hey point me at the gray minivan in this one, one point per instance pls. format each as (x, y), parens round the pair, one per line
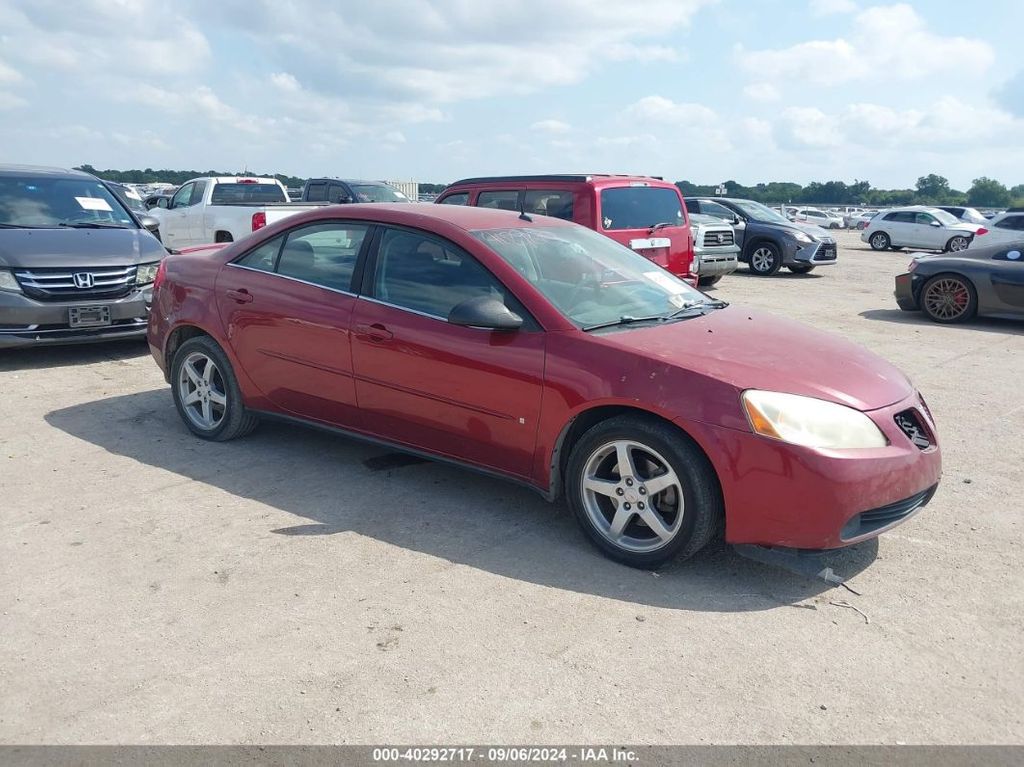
(75, 264)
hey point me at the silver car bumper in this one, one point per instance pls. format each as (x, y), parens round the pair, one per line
(712, 262)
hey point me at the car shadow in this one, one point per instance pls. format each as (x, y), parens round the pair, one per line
(45, 357)
(983, 324)
(333, 484)
(783, 273)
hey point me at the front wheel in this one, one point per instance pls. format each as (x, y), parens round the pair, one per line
(949, 298)
(765, 259)
(801, 268)
(957, 244)
(643, 492)
(707, 282)
(879, 241)
(206, 392)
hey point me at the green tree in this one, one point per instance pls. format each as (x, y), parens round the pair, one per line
(932, 188)
(988, 193)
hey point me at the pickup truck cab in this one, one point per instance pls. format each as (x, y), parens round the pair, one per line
(644, 213)
(223, 209)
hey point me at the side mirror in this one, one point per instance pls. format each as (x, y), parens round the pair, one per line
(736, 221)
(935, 223)
(150, 223)
(485, 312)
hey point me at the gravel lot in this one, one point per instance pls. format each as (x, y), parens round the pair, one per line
(286, 588)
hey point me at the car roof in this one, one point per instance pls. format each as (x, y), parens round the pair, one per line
(423, 214)
(41, 171)
(318, 179)
(595, 179)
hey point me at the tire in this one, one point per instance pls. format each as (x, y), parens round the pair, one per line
(688, 506)
(801, 268)
(192, 376)
(948, 299)
(765, 259)
(223, 237)
(879, 241)
(707, 282)
(957, 244)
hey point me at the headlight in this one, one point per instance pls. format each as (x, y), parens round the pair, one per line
(7, 282)
(146, 273)
(803, 237)
(809, 422)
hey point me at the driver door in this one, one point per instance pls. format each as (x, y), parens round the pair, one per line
(174, 226)
(469, 393)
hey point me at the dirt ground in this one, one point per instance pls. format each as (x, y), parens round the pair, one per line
(287, 589)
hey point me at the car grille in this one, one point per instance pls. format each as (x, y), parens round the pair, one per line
(875, 519)
(62, 283)
(826, 252)
(913, 426)
(717, 238)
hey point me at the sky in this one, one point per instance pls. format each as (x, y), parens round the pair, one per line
(702, 90)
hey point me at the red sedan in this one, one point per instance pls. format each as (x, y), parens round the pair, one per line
(537, 350)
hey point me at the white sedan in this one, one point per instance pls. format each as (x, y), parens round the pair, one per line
(1005, 227)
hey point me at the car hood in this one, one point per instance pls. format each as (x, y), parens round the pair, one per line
(69, 247)
(792, 227)
(756, 350)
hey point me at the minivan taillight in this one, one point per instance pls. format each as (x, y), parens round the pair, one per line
(259, 220)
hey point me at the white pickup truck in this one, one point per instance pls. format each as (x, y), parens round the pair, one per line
(223, 209)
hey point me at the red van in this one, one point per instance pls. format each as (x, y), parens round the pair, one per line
(644, 213)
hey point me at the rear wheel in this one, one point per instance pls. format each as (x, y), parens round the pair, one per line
(801, 268)
(707, 282)
(765, 259)
(206, 392)
(879, 241)
(949, 298)
(643, 492)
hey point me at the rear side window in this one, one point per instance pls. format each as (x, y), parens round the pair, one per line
(226, 194)
(549, 203)
(640, 207)
(462, 198)
(500, 200)
(323, 254)
(264, 258)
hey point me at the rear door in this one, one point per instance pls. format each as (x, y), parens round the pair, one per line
(651, 220)
(287, 306)
(469, 393)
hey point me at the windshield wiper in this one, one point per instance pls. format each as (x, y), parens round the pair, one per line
(626, 319)
(90, 225)
(655, 227)
(21, 226)
(689, 306)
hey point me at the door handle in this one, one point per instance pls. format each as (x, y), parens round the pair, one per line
(242, 296)
(375, 332)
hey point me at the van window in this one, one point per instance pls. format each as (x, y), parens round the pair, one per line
(316, 193)
(501, 200)
(547, 202)
(640, 207)
(456, 199)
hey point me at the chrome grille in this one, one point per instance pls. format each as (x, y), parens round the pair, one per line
(718, 238)
(74, 283)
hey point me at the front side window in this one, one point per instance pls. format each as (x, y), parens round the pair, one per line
(640, 207)
(588, 277)
(719, 211)
(182, 198)
(428, 275)
(456, 199)
(507, 200)
(197, 192)
(548, 203)
(376, 193)
(755, 211)
(30, 202)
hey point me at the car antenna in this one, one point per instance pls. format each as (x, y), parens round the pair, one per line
(522, 213)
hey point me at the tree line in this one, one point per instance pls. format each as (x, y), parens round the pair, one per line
(929, 190)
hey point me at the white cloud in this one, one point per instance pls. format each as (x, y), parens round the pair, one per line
(8, 74)
(554, 127)
(10, 101)
(829, 7)
(886, 41)
(285, 82)
(762, 92)
(662, 110)
(811, 127)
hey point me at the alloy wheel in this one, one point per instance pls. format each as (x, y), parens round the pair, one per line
(879, 241)
(947, 299)
(958, 244)
(202, 391)
(762, 259)
(632, 496)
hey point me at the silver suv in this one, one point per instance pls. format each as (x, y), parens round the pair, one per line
(917, 226)
(75, 264)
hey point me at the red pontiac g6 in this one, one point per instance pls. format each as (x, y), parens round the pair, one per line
(540, 351)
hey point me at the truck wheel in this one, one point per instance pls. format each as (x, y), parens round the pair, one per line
(765, 259)
(223, 237)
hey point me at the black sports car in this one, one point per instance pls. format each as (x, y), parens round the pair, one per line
(953, 287)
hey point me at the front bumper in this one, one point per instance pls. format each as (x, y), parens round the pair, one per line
(25, 321)
(777, 494)
(712, 262)
(906, 297)
(822, 253)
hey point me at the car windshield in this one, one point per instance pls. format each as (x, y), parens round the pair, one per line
(130, 199)
(972, 216)
(48, 203)
(246, 192)
(377, 193)
(945, 217)
(755, 211)
(589, 278)
(640, 207)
